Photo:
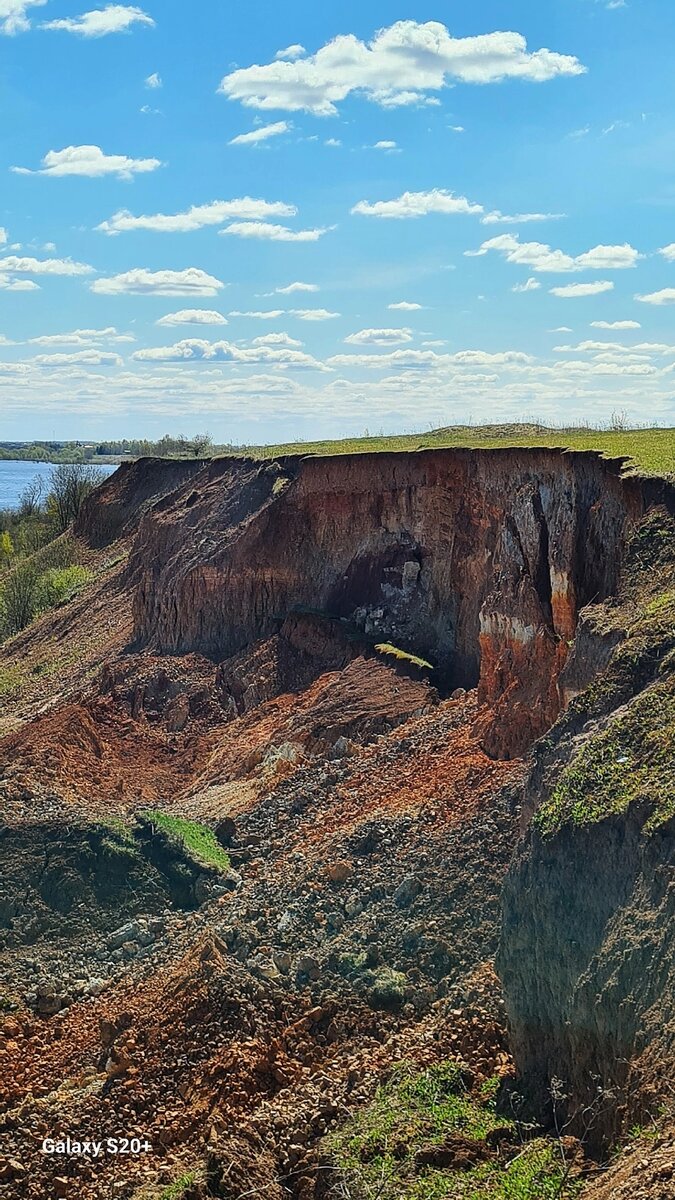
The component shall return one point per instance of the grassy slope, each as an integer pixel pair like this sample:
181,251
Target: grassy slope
650,451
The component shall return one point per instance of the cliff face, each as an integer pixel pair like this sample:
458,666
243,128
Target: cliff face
477,561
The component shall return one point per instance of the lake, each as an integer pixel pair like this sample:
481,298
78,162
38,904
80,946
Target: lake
15,477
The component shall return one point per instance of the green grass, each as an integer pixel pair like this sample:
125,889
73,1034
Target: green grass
394,652
632,761
11,680
200,841
649,451
373,1154
178,1188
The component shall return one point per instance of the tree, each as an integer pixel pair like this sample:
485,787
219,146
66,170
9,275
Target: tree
19,598
69,486
30,500
202,443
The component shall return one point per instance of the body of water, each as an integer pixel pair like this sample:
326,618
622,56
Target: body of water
15,477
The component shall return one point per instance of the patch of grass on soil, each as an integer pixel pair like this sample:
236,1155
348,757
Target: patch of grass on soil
631,761
198,840
385,1149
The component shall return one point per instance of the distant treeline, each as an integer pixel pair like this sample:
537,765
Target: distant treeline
90,452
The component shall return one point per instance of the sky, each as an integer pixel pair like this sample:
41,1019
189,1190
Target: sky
271,221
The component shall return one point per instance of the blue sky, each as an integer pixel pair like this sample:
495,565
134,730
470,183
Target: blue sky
295,221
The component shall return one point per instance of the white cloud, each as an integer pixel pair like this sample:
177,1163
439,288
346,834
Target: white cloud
200,215
618,348
193,316
266,231
298,286
457,128
12,265
574,290
402,64
665,296
379,337
540,257
428,359
14,15
141,282
291,52
499,218
276,339
3,236
7,284
81,337
388,146
530,285
561,329
196,350
332,142
154,81
615,325
314,314
417,204
262,134
268,315
668,252
114,18
90,161
88,358
405,306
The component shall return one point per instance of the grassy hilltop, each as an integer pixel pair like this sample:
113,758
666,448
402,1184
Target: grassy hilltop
648,451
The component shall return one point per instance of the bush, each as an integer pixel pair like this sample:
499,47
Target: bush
69,486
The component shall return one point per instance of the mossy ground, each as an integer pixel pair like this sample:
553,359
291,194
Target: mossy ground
649,451
379,1151
200,841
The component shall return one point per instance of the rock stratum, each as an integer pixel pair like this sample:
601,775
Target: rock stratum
326,741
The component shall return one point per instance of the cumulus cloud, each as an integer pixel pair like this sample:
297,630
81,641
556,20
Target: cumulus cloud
13,265
405,306
298,286
90,161
542,258
81,337
291,52
14,15
114,18
665,296
417,204
499,218
379,337
615,325
141,282
3,236
8,284
88,358
530,285
193,316
384,145
402,64
313,314
262,134
428,359
196,350
573,291
276,339
154,81
668,252
266,231
198,216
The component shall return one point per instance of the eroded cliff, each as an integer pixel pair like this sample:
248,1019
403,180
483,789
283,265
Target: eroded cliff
478,561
